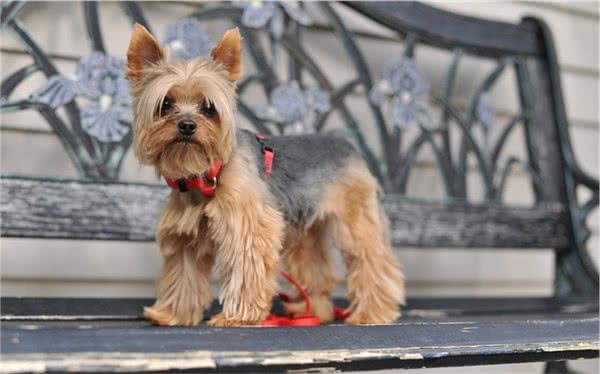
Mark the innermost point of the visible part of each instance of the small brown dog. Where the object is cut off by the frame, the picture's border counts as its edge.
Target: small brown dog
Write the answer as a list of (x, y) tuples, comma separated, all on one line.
[(318, 188)]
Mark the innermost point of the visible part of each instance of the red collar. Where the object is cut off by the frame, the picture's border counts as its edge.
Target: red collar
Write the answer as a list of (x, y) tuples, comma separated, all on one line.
[(206, 183)]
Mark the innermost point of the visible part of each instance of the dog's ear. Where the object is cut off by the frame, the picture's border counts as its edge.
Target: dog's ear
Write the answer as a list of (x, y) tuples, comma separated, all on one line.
[(228, 51), (143, 51)]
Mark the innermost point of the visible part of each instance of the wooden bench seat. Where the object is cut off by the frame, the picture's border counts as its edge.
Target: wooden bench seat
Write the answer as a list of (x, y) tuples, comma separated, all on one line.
[(109, 334)]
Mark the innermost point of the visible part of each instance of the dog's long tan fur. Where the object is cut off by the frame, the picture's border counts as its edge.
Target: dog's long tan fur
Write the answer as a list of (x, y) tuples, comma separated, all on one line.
[(242, 230)]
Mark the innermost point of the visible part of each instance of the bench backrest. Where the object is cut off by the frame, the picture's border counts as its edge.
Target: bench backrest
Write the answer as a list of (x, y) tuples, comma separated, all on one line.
[(394, 117)]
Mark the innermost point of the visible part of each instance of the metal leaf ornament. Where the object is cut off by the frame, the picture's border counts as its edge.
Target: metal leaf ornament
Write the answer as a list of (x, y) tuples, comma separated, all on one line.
[(188, 39), (292, 106), (258, 14), (407, 88), (101, 80)]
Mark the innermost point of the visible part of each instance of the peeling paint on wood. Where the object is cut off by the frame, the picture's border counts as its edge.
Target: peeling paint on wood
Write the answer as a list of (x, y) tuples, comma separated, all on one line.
[(123, 346), (202, 360), (95, 362), (575, 346)]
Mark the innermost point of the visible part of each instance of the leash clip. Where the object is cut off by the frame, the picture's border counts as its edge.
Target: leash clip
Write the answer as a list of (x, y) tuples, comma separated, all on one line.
[(213, 181), (182, 185), (264, 148)]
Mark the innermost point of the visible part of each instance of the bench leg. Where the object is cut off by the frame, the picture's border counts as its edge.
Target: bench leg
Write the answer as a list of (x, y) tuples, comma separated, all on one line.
[(575, 273), (558, 367)]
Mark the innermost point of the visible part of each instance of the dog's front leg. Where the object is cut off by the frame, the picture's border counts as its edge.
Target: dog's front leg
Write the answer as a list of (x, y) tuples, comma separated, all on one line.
[(183, 289), (248, 238)]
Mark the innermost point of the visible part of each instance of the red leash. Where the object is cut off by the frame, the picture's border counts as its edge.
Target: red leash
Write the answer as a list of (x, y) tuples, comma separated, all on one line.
[(307, 319)]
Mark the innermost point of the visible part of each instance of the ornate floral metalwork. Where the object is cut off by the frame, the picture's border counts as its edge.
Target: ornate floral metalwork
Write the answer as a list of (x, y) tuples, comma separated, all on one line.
[(188, 39), (58, 91), (407, 87), (291, 106), (100, 79), (486, 115), (258, 14)]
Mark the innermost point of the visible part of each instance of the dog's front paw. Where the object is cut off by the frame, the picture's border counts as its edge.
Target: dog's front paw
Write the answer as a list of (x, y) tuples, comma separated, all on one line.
[(163, 316), (220, 320), (322, 308), (371, 318)]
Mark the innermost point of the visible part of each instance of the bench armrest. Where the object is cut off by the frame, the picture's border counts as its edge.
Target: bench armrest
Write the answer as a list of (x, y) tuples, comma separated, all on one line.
[(583, 178)]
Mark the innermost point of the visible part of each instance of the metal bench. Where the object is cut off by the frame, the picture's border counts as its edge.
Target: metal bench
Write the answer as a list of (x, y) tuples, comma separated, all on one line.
[(91, 334)]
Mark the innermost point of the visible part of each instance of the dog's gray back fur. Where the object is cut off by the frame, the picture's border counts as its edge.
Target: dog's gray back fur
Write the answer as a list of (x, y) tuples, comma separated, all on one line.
[(303, 166)]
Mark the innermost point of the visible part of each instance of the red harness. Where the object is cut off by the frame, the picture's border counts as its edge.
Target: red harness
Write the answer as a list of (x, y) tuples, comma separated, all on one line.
[(207, 182)]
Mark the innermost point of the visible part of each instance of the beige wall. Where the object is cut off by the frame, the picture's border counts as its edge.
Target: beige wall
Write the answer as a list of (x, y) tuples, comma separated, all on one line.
[(49, 268)]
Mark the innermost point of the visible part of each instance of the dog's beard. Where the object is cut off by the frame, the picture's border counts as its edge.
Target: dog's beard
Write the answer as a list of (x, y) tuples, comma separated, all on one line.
[(181, 159), (177, 157)]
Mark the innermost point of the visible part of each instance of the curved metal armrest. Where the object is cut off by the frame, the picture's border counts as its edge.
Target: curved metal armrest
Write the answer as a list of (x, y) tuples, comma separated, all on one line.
[(581, 177)]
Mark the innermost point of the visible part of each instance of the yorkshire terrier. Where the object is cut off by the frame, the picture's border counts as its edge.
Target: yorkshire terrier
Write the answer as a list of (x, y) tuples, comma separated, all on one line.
[(233, 210)]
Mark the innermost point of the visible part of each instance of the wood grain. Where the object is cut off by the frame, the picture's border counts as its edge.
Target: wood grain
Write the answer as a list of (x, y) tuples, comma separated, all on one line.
[(457, 224), (82, 210), (79, 210)]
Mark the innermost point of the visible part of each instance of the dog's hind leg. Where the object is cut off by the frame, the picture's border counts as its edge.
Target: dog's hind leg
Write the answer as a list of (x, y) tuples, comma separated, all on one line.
[(359, 229), (306, 257)]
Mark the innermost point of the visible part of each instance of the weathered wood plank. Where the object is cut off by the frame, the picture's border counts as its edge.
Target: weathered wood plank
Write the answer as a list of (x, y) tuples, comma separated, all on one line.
[(134, 347), (79, 210), (457, 224), (120, 309), (83, 210)]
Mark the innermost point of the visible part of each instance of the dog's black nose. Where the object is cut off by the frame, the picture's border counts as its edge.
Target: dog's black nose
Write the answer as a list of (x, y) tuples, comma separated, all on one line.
[(186, 127)]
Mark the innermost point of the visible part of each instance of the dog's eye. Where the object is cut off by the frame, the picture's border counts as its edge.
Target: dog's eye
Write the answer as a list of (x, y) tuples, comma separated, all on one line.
[(166, 107), (207, 108)]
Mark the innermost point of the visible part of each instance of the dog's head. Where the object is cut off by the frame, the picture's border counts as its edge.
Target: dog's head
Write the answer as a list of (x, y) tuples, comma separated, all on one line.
[(183, 110)]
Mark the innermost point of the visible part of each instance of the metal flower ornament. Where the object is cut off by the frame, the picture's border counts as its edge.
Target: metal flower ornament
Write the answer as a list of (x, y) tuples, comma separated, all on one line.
[(100, 79), (292, 107), (408, 90), (188, 39), (258, 14), (484, 111)]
